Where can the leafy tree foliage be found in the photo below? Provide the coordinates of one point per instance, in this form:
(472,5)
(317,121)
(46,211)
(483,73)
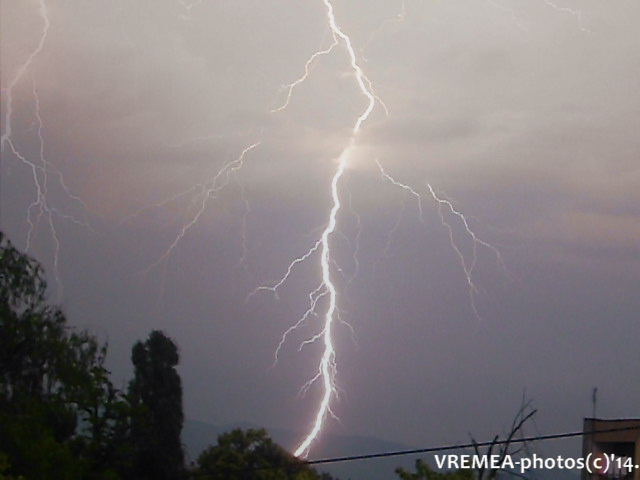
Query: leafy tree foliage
(58,410)
(155,394)
(61,417)
(4,465)
(251,455)
(425,472)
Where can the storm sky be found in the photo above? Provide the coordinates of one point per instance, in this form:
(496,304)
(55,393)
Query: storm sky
(523,114)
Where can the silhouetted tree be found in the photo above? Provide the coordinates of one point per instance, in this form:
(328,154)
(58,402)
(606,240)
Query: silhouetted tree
(155,395)
(251,455)
(57,405)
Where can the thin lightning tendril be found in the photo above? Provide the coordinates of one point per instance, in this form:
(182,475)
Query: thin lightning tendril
(356,242)
(40,207)
(467,265)
(396,225)
(6,139)
(575,13)
(208,192)
(570,11)
(399,18)
(307,66)
(510,11)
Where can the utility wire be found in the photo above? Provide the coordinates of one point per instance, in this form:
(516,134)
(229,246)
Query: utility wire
(443,448)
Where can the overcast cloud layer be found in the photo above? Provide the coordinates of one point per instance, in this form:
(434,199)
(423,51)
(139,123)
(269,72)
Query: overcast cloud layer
(525,114)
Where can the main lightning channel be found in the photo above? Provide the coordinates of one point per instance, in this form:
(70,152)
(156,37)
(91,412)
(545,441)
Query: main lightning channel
(326,371)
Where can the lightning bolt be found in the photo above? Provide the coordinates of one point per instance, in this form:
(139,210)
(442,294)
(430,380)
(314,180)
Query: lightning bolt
(202,194)
(327,366)
(40,208)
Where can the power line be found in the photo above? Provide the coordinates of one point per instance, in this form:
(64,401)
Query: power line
(442,448)
(458,446)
